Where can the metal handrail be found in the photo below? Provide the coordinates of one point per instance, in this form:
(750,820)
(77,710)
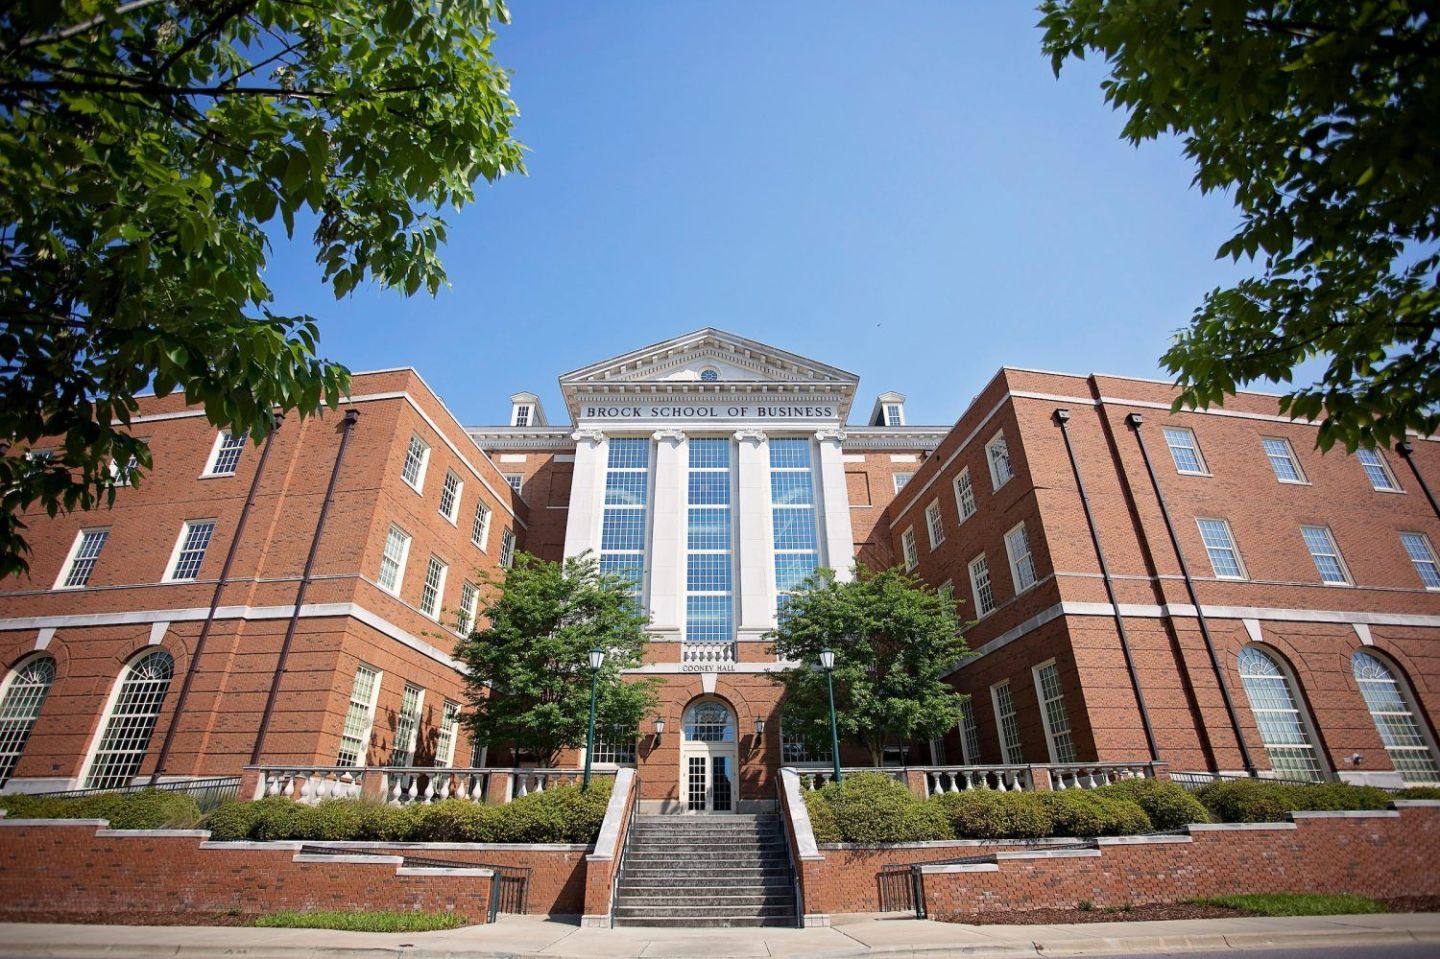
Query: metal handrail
(784,812)
(619,869)
(208,793)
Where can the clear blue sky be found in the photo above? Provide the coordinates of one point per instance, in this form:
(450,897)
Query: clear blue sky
(901,189)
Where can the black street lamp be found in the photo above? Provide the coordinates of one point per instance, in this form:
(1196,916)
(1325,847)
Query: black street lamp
(597,659)
(827,663)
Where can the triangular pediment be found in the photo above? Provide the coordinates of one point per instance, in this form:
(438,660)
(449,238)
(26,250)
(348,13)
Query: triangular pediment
(707,355)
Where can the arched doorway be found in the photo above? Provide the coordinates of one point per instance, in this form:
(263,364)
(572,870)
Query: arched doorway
(708,757)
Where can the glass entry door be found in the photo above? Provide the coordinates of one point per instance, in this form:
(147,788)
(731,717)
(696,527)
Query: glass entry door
(709,783)
(708,758)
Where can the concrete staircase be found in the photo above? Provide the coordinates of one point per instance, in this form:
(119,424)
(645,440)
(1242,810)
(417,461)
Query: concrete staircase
(721,870)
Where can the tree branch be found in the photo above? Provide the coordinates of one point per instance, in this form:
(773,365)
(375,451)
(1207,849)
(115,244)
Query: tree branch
(26,43)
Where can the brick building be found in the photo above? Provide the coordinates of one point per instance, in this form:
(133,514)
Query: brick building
(721,471)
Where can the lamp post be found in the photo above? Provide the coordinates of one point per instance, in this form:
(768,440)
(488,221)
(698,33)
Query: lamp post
(827,663)
(597,659)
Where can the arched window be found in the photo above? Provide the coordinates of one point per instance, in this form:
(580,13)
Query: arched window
(709,376)
(708,721)
(24,694)
(1284,727)
(130,720)
(1392,707)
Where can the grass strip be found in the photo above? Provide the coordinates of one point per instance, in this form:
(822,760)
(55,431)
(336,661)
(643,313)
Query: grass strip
(1296,904)
(361,921)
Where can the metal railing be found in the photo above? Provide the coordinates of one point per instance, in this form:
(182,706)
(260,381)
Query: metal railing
(619,871)
(509,891)
(789,833)
(207,793)
(1193,780)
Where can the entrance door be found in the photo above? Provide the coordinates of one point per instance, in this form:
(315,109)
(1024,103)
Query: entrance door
(708,758)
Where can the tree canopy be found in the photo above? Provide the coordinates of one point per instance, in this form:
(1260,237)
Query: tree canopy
(528,669)
(1319,117)
(894,639)
(145,149)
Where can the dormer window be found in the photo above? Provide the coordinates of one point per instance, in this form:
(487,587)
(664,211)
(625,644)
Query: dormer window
(522,415)
(894,415)
(709,376)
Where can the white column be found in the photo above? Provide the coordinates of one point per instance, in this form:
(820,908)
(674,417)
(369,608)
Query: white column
(587,491)
(837,534)
(667,537)
(752,537)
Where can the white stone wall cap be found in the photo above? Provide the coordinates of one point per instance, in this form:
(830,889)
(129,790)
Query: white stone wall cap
(90,823)
(959,867)
(799,815)
(952,843)
(478,871)
(1050,854)
(347,857)
(341,844)
(609,838)
(1415,804)
(153,833)
(1138,840)
(1345,814)
(276,845)
(1195,827)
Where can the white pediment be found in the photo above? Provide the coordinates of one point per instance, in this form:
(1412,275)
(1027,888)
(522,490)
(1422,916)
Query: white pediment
(688,358)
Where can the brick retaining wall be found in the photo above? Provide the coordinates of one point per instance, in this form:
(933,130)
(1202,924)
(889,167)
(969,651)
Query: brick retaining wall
(81,866)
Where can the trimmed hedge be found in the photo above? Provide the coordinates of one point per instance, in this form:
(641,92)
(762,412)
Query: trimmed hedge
(1094,812)
(1418,792)
(1261,800)
(1169,805)
(873,808)
(986,814)
(563,814)
(146,809)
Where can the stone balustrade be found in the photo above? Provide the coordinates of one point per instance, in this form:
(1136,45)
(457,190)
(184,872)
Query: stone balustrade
(954,779)
(310,785)
(815,777)
(707,654)
(1093,775)
(937,780)
(405,785)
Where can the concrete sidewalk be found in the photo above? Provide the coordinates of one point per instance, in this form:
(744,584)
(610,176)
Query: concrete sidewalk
(862,935)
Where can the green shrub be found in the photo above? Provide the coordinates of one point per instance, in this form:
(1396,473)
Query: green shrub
(872,807)
(1260,800)
(1338,796)
(822,818)
(1089,812)
(987,814)
(232,820)
(456,820)
(359,921)
(146,809)
(1169,805)
(1418,792)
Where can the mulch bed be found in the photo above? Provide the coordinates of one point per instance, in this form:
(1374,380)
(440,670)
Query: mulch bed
(1153,912)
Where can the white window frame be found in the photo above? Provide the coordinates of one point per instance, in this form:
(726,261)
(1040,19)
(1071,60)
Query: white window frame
(119,477)
(900,481)
(934,524)
(407,750)
(969,734)
(516,481)
(1405,692)
(894,414)
(909,549)
(18,717)
(174,561)
(1301,710)
(1289,455)
(1006,746)
(1384,466)
(480,526)
(982,608)
(507,547)
(435,602)
(1345,578)
(1029,559)
(522,411)
(1194,447)
(1234,548)
(469,605)
(965,505)
(361,759)
(996,480)
(452,487)
(405,540)
(71,557)
(448,734)
(222,438)
(108,714)
(1052,735)
(1428,547)
(419,484)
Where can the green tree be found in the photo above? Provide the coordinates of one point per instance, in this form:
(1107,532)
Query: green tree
(894,639)
(1319,117)
(145,149)
(528,669)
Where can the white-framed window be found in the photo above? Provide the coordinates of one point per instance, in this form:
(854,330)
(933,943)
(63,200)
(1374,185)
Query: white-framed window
(1391,702)
(709,547)
(980,586)
(407,726)
(997,454)
(946,590)
(480,526)
(894,414)
(901,480)
(225,454)
(359,717)
(392,560)
(465,616)
(614,746)
(1328,561)
(1007,725)
(507,547)
(795,751)
(417,457)
(934,524)
(1185,451)
(130,718)
(1285,726)
(964,495)
(121,477)
(908,547)
(1422,557)
(190,548)
(522,414)
(448,735)
(1052,707)
(1377,470)
(516,480)
(80,562)
(21,697)
(1220,547)
(432,593)
(1282,459)
(969,734)
(450,491)
(1022,564)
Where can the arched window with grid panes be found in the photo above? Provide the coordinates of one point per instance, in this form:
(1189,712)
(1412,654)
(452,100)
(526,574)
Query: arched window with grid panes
(1285,726)
(21,697)
(1392,706)
(130,720)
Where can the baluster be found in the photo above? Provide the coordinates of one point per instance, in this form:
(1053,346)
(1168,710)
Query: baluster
(429,793)
(272,783)
(524,789)
(1000,776)
(1090,778)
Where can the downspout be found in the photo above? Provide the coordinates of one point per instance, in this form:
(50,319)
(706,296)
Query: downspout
(214,605)
(346,426)
(1133,420)
(1062,417)
(1405,449)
